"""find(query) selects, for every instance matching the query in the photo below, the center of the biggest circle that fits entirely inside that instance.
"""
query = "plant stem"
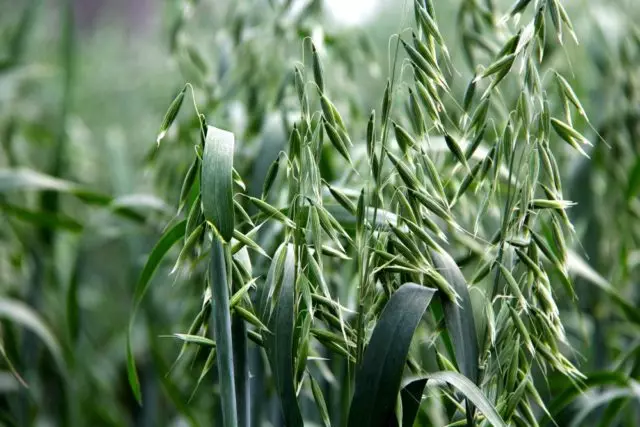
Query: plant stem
(241, 360)
(241, 373)
(221, 319)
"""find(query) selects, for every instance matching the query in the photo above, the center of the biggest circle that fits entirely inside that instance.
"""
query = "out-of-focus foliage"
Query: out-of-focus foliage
(86, 193)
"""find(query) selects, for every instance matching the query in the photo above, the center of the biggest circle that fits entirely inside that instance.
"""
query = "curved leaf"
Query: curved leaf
(140, 201)
(579, 267)
(41, 218)
(279, 341)
(459, 320)
(166, 242)
(27, 179)
(593, 380)
(471, 392)
(217, 181)
(378, 380)
(23, 179)
(18, 312)
(459, 316)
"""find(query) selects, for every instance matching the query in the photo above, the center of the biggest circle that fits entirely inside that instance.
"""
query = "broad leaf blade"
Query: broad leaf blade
(379, 377)
(279, 342)
(459, 318)
(411, 395)
(217, 181)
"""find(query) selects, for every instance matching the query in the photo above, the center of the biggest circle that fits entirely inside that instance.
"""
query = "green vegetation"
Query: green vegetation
(328, 226)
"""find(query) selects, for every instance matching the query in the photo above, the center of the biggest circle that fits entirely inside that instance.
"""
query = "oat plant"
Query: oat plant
(418, 280)
(397, 267)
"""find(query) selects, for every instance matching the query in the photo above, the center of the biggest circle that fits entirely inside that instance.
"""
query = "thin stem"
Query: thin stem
(221, 318)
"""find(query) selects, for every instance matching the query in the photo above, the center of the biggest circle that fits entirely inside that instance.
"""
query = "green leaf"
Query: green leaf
(459, 316)
(471, 392)
(40, 218)
(320, 402)
(459, 320)
(72, 305)
(22, 179)
(194, 339)
(602, 398)
(140, 202)
(592, 380)
(411, 395)
(578, 266)
(217, 181)
(279, 342)
(265, 291)
(633, 187)
(349, 221)
(27, 179)
(378, 380)
(166, 242)
(20, 313)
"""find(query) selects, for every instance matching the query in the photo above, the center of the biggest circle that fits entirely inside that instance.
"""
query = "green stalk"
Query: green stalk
(241, 360)
(241, 373)
(221, 319)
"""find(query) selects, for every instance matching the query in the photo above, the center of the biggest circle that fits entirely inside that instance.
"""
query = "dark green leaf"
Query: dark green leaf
(279, 342)
(459, 316)
(411, 395)
(378, 380)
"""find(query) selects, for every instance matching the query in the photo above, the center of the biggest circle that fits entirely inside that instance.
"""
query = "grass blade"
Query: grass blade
(20, 313)
(459, 317)
(27, 179)
(411, 395)
(320, 402)
(279, 342)
(166, 242)
(378, 380)
(459, 320)
(593, 380)
(217, 181)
